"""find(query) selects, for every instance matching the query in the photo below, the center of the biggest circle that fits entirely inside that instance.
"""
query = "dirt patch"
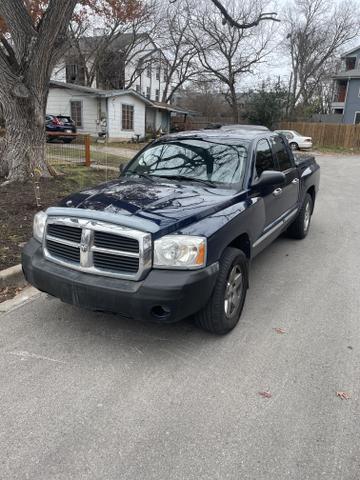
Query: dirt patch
(18, 205)
(9, 292)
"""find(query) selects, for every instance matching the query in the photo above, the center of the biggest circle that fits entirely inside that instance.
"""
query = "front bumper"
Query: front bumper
(164, 295)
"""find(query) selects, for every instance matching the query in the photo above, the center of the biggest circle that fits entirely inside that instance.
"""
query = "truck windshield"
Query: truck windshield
(193, 159)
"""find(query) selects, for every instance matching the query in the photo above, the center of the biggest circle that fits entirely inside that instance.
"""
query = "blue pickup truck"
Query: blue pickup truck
(175, 234)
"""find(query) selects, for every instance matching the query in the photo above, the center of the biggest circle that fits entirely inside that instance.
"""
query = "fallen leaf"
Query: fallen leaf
(343, 395)
(265, 394)
(280, 331)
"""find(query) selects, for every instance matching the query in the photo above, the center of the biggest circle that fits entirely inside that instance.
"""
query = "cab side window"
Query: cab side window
(264, 157)
(282, 153)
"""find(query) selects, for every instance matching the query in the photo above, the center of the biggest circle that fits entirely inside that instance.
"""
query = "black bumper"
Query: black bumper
(178, 293)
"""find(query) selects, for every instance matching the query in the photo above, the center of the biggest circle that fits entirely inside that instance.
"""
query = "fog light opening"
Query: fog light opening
(160, 311)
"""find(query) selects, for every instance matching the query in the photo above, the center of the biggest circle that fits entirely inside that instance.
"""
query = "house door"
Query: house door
(150, 120)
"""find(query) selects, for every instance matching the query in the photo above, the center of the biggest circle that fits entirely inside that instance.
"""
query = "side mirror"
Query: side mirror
(122, 167)
(270, 178)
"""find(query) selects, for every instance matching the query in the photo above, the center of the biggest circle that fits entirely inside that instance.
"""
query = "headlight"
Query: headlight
(180, 251)
(39, 226)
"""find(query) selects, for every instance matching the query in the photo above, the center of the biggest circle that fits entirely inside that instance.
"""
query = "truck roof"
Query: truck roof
(220, 135)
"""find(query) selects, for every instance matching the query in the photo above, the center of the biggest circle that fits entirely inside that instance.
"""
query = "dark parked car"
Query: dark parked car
(174, 236)
(59, 125)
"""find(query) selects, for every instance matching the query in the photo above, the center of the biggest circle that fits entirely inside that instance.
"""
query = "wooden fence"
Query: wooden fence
(327, 134)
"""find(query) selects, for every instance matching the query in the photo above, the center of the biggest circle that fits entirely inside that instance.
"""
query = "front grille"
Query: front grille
(65, 252)
(72, 234)
(116, 263)
(98, 248)
(116, 242)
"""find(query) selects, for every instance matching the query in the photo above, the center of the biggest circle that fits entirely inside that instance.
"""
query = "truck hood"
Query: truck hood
(168, 205)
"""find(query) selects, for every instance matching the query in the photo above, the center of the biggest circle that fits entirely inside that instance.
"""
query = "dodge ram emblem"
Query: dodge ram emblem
(84, 247)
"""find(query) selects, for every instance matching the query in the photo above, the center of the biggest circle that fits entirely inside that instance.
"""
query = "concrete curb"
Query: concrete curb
(12, 277)
(23, 297)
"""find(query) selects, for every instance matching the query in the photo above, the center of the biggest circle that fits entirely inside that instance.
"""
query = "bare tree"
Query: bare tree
(181, 63)
(29, 49)
(316, 30)
(227, 53)
(242, 23)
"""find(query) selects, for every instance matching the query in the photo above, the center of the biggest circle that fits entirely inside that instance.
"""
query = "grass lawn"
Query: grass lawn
(58, 153)
(127, 145)
(18, 205)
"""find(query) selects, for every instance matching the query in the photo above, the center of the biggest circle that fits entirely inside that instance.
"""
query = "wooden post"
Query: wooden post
(87, 143)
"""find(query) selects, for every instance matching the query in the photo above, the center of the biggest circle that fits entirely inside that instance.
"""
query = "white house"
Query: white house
(134, 62)
(126, 114)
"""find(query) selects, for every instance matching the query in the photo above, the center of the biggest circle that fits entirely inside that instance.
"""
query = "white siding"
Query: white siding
(59, 104)
(115, 117)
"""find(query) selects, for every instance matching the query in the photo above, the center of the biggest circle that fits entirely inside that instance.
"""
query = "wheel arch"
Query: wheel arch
(312, 193)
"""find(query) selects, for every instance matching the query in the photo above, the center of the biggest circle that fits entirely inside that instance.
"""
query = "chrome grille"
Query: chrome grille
(115, 242)
(64, 232)
(66, 252)
(116, 263)
(97, 247)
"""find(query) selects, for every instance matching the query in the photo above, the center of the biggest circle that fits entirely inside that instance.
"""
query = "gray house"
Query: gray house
(346, 102)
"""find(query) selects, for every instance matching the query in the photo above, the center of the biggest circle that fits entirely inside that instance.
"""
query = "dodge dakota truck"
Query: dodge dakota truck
(175, 234)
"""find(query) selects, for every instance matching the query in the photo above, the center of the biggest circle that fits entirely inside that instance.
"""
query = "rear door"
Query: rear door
(289, 194)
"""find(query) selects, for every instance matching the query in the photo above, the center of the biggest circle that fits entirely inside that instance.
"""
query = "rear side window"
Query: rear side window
(282, 154)
(264, 157)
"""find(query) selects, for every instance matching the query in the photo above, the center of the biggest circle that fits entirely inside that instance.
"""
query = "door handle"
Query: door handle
(295, 181)
(277, 192)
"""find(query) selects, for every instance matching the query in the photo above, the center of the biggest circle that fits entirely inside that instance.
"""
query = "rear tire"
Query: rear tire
(222, 313)
(301, 226)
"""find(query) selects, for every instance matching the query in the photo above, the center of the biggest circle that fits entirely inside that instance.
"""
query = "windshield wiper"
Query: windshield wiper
(208, 183)
(142, 175)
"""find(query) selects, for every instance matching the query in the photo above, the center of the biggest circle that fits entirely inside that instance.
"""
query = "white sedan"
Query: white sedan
(296, 140)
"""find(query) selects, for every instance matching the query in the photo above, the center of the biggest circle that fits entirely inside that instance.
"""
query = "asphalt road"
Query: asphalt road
(91, 396)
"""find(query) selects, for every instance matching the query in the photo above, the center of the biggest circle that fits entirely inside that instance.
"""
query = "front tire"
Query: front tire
(301, 226)
(294, 146)
(222, 313)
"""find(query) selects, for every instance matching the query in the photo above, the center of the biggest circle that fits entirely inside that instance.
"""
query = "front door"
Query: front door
(290, 190)
(273, 205)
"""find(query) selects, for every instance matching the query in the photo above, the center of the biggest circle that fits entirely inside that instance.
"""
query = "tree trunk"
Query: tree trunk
(234, 104)
(23, 153)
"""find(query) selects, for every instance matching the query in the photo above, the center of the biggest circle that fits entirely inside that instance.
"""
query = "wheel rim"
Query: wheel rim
(307, 216)
(233, 291)
(293, 146)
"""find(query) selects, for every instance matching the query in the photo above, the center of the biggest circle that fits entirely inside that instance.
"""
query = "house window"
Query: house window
(75, 74)
(357, 118)
(148, 71)
(157, 73)
(128, 117)
(148, 92)
(76, 112)
(350, 63)
(157, 95)
(138, 88)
